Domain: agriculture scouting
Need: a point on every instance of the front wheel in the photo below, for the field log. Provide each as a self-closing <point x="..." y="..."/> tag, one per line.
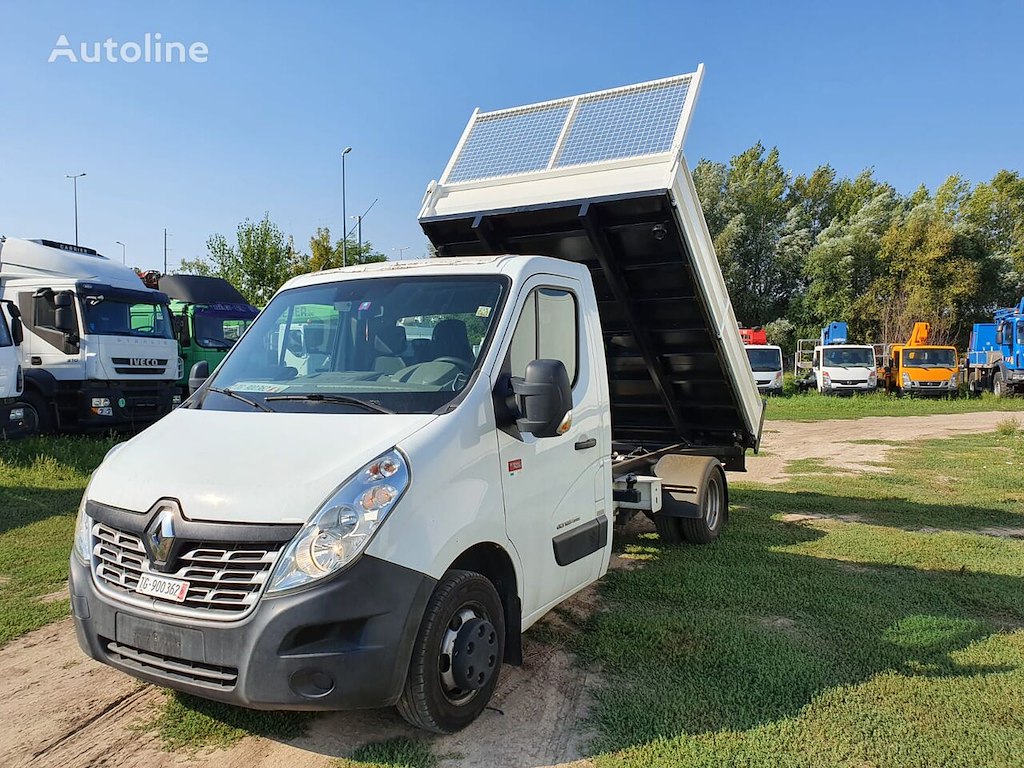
<point x="457" y="656"/>
<point x="39" y="413"/>
<point x="999" y="385"/>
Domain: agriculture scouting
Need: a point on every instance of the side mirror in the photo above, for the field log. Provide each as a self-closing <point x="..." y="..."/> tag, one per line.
<point x="999" y="334"/>
<point x="17" y="331"/>
<point x="200" y="372"/>
<point x="543" y="399"/>
<point x="181" y="324"/>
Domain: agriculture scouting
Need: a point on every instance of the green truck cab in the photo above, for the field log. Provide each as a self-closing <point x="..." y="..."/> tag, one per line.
<point x="209" y="315"/>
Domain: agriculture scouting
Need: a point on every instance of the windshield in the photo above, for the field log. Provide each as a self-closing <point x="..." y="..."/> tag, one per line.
<point x="849" y="357"/>
<point x="111" y="317"/>
<point x="762" y="360"/>
<point x="407" y="344"/>
<point x="929" y="358"/>
<point x="220" y="326"/>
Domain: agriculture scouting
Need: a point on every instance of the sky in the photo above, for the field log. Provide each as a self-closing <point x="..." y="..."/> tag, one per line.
<point x="916" y="91"/>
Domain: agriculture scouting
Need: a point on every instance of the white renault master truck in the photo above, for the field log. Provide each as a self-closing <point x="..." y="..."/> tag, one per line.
<point x="370" y="519"/>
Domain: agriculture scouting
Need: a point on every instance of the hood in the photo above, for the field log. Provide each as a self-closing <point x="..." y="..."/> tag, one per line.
<point x="242" y="467"/>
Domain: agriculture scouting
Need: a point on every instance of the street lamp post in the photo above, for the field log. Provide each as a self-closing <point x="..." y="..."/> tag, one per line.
<point x="402" y="250"/>
<point x="123" y="260"/>
<point x="344" y="213"/>
<point x="74" y="180"/>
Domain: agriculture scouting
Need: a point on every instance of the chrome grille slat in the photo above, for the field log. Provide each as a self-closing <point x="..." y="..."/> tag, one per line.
<point x="225" y="582"/>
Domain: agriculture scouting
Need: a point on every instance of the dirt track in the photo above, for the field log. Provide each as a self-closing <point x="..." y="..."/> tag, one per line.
<point x="60" y="709"/>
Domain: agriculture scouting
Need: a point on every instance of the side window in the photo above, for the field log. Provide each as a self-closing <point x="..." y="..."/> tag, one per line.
<point x="547" y="328"/>
<point x="817" y="360"/>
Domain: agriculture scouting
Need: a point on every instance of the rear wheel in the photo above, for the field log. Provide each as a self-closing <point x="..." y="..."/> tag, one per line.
<point x="714" y="511"/>
<point x="457" y="656"/>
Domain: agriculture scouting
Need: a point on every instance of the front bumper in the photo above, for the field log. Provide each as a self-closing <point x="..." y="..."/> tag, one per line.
<point x="119" y="404"/>
<point x="13" y="421"/>
<point x="343" y="644"/>
<point x="769" y="388"/>
<point x="839" y="389"/>
<point x="930" y="388"/>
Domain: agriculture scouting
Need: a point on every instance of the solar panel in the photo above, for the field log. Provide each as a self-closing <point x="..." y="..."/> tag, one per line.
<point x="634" y="121"/>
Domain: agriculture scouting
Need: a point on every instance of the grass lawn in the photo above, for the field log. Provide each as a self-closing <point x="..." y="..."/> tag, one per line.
<point x="41" y="483"/>
<point x="854" y="622"/>
<point x="814" y="407"/>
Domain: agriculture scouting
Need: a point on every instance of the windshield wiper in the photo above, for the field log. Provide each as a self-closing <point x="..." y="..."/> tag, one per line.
<point x="318" y="397"/>
<point x="243" y="398"/>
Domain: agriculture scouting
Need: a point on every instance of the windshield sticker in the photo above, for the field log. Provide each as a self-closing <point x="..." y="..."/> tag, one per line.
<point x="483" y="311"/>
<point x="258" y="386"/>
<point x="365" y="305"/>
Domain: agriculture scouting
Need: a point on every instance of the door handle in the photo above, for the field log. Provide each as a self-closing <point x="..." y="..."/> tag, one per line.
<point x="582" y="445"/>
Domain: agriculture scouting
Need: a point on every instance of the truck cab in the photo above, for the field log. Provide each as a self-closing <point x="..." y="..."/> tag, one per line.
<point x="98" y="350"/>
<point x="209" y="315"/>
<point x="995" y="355"/>
<point x="446" y="459"/>
<point x="920" y="368"/>
<point x="837" y="367"/>
<point x="766" y="365"/>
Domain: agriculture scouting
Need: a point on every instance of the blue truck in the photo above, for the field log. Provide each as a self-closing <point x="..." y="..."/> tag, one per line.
<point x="995" y="356"/>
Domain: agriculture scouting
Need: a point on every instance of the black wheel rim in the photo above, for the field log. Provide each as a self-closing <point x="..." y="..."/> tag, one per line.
<point x="456" y="694"/>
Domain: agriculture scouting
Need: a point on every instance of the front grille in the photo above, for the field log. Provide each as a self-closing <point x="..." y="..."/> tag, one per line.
<point x="225" y="580"/>
<point x="170" y="666"/>
<point x="139" y="371"/>
<point x="849" y="382"/>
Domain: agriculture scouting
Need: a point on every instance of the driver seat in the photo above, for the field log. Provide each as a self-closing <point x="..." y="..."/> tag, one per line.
<point x="450" y="339"/>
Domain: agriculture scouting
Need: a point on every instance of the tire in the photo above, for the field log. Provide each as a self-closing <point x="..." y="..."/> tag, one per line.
<point x="44" y="418"/>
<point x="463" y="618"/>
<point x="999" y="385"/>
<point x="714" y="509"/>
<point x="670" y="529"/>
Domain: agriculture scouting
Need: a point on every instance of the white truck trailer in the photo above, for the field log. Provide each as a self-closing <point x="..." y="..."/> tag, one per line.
<point x="386" y="522"/>
<point x="99" y="351"/>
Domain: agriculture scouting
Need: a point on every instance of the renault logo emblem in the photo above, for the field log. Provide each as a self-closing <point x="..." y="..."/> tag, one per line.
<point x="160" y="537"/>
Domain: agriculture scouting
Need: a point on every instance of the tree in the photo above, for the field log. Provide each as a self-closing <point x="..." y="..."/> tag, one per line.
<point x="324" y="255"/>
<point x="260" y="261"/>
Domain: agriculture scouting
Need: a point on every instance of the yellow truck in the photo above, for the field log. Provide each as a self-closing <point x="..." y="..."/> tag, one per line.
<point x="920" y="368"/>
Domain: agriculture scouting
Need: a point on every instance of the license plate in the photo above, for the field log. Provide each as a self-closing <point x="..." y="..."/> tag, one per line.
<point x="162" y="587"/>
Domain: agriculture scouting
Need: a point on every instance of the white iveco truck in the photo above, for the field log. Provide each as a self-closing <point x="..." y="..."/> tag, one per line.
<point x="399" y="509"/>
<point x="99" y="351"/>
<point x="15" y="419"/>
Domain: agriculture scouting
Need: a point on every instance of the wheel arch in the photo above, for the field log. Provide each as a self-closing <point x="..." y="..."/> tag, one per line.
<point x="494" y="563"/>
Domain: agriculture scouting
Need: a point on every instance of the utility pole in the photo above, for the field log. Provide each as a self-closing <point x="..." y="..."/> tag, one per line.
<point x="402" y="250"/>
<point x="359" y="226"/>
<point x="74" y="180"/>
<point x="344" y="213"/>
<point x="165" y="250"/>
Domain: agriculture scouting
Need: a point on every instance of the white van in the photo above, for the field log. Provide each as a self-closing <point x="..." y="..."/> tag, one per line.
<point x="380" y="528"/>
<point x="766" y="365"/>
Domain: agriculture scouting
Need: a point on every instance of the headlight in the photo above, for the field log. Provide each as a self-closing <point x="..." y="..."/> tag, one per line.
<point x="954" y="380"/>
<point x="83" y="532"/>
<point x="344" y="524"/>
<point x="826" y="378"/>
<point x="906" y="379"/>
<point x="872" y="378"/>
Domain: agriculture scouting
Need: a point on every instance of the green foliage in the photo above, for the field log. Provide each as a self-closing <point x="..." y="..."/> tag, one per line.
<point x="815" y="248"/>
<point x="259" y="262"/>
<point x="324" y="255"/>
<point x="812" y="406"/>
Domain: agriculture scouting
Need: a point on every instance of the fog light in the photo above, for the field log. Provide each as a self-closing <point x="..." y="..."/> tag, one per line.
<point x="100" y="402"/>
<point x="17" y="414"/>
<point x="106" y="411"/>
<point x="175" y="400"/>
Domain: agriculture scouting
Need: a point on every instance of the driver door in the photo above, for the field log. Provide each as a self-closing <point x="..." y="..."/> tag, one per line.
<point x="553" y="487"/>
